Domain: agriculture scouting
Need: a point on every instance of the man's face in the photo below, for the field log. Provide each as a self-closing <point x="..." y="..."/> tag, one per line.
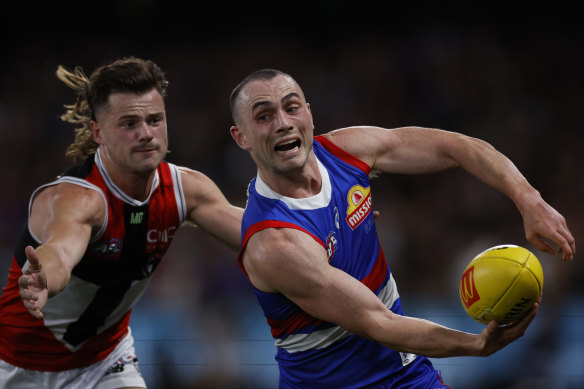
<point x="131" y="130"/>
<point x="274" y="124"/>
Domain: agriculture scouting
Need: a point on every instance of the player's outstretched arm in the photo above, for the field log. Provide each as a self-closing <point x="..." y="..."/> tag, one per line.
<point x="300" y="270"/>
<point x="208" y="208"/>
<point x="62" y="218"/>
<point x="414" y="150"/>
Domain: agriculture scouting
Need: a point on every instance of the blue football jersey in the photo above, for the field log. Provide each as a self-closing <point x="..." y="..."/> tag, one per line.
<point x="312" y="353"/>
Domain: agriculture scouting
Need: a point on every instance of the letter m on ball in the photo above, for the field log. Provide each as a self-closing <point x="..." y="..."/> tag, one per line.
<point x="468" y="291"/>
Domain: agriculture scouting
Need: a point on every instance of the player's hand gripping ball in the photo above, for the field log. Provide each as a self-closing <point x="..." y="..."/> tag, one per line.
<point x="501" y="283"/>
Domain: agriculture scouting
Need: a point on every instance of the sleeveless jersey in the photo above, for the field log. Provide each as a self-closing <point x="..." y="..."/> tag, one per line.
<point x="312" y="353"/>
<point x="85" y="322"/>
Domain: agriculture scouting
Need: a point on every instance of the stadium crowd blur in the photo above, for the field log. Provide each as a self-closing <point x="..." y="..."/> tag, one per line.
<point x="198" y="325"/>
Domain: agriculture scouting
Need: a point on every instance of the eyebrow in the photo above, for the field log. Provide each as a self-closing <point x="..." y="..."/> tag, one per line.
<point x="128" y="117"/>
<point x="135" y="115"/>
<point x="268" y="103"/>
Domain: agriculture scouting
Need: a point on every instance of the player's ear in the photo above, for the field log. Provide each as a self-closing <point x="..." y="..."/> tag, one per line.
<point x="310" y="113"/>
<point x="238" y="135"/>
<point x="96" y="132"/>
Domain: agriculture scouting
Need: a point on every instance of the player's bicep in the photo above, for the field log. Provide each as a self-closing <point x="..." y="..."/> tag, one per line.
<point x="64" y="216"/>
<point x="406" y="150"/>
<point x="208" y="208"/>
<point x="291" y="262"/>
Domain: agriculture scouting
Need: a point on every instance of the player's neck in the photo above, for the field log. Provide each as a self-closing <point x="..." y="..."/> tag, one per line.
<point x="136" y="185"/>
<point x="301" y="183"/>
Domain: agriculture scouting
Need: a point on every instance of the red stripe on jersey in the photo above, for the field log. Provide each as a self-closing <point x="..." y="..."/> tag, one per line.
<point x="262" y="225"/>
<point x="302" y="319"/>
<point x="298" y="320"/>
<point x="442" y="382"/>
<point x="377" y="274"/>
<point x="44" y="352"/>
<point x="342" y="154"/>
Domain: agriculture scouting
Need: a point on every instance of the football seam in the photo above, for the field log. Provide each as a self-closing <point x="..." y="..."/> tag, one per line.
<point x="523" y="266"/>
<point x="506" y="291"/>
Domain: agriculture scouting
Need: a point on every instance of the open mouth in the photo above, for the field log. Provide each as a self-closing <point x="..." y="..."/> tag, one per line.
<point x="289" y="145"/>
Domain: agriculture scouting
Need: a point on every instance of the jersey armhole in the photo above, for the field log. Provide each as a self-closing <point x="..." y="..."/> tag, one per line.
<point x="262" y="225"/>
<point x="76" y="181"/>
<point x="342" y="154"/>
<point x="178" y="192"/>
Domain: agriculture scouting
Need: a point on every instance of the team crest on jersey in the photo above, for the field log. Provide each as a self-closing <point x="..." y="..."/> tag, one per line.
<point x="109" y="248"/>
<point x="359" y="200"/>
<point x="331" y="245"/>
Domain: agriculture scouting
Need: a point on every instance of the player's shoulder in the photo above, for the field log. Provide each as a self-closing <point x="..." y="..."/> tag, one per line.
<point x="194" y="180"/>
<point x="284" y="241"/>
<point x="190" y="174"/>
<point x="66" y="198"/>
<point x="199" y="189"/>
<point x="70" y="191"/>
<point x="355" y="140"/>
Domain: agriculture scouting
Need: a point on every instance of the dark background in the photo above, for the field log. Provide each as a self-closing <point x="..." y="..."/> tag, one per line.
<point x="511" y="76"/>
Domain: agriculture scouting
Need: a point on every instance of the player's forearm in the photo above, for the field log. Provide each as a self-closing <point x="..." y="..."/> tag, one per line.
<point x="426" y="338"/>
<point x="57" y="273"/>
<point x="232" y="234"/>
<point x="490" y="166"/>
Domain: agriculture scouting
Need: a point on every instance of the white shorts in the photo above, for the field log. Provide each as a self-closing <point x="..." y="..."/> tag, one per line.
<point x="118" y="370"/>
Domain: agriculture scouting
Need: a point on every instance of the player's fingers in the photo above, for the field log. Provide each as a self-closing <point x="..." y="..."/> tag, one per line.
<point x="560" y="234"/>
<point x="34" y="311"/>
<point x="493" y="327"/>
<point x="27" y="294"/>
<point x="528" y="318"/>
<point x="570" y="247"/>
<point x="541" y="244"/>
<point x="30" y="303"/>
<point x="24" y="281"/>
<point x="566" y="244"/>
<point x="33" y="258"/>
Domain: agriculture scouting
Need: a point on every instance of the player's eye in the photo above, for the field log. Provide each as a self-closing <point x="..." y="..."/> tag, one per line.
<point x="263" y="117"/>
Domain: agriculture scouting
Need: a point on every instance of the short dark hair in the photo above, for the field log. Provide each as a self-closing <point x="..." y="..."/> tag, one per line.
<point x="258" y="75"/>
<point x="130" y="74"/>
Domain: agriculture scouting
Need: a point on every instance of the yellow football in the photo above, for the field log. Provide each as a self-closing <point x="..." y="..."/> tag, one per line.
<point x="501" y="283"/>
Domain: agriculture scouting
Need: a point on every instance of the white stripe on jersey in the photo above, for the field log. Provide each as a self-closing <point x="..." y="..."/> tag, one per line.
<point x="66" y="307"/>
<point x="324" y="338"/>
<point x="75" y="181"/>
<point x="179" y="193"/>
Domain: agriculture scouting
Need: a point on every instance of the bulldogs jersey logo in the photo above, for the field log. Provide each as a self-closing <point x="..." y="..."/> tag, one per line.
<point x="359" y="200"/>
<point x="331" y="245"/>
